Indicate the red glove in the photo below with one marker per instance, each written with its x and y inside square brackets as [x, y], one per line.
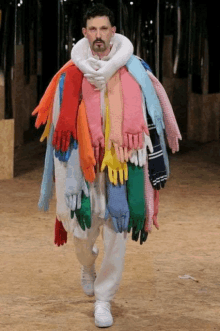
[46, 103]
[66, 124]
[60, 237]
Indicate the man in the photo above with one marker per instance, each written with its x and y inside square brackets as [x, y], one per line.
[97, 142]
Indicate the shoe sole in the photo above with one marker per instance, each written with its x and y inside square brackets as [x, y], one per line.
[101, 325]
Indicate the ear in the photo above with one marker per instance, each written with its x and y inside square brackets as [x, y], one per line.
[113, 30]
[84, 31]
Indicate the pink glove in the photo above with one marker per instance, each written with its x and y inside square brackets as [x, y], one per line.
[93, 111]
[134, 124]
[116, 117]
[171, 126]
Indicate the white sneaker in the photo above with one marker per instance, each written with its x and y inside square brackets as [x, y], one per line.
[103, 316]
[88, 276]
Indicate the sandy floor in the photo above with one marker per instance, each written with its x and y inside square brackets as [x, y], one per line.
[40, 283]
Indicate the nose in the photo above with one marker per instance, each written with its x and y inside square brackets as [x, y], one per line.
[98, 33]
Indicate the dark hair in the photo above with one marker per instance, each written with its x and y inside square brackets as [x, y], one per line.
[98, 10]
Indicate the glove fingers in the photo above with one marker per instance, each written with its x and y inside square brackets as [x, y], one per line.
[78, 200]
[85, 189]
[72, 214]
[126, 173]
[115, 177]
[67, 200]
[135, 141]
[122, 156]
[81, 223]
[115, 225]
[130, 141]
[126, 154]
[73, 202]
[140, 140]
[121, 172]
[88, 222]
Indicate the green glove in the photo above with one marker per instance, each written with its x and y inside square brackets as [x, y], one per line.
[136, 201]
[143, 235]
[84, 213]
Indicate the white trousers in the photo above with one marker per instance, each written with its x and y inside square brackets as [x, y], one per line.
[110, 273]
[109, 276]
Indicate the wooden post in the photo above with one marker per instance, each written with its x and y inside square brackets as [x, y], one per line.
[6, 149]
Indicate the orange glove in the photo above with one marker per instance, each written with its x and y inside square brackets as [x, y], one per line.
[86, 153]
[46, 103]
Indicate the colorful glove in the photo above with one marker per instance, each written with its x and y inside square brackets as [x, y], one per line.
[156, 165]
[83, 214]
[136, 201]
[86, 153]
[117, 206]
[75, 182]
[139, 157]
[110, 160]
[47, 181]
[92, 103]
[99, 72]
[66, 125]
[64, 156]
[143, 235]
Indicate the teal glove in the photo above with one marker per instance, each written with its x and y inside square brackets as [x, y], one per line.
[136, 201]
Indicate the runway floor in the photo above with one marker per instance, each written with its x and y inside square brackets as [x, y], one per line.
[40, 283]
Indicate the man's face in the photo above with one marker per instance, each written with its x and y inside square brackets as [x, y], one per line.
[99, 32]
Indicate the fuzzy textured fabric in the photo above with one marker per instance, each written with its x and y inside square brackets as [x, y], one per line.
[149, 200]
[103, 69]
[133, 122]
[110, 160]
[116, 116]
[93, 104]
[171, 126]
[87, 158]
[117, 206]
[47, 184]
[60, 234]
[137, 70]
[156, 165]
[75, 182]
[66, 124]
[135, 192]
[46, 103]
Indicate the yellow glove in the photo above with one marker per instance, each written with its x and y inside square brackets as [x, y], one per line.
[110, 158]
[46, 131]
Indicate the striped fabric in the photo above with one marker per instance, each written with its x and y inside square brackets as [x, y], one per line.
[156, 165]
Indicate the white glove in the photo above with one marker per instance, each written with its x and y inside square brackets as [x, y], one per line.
[139, 157]
[121, 51]
[75, 182]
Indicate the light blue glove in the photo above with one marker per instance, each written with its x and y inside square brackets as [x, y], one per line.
[137, 70]
[47, 184]
[75, 182]
[117, 206]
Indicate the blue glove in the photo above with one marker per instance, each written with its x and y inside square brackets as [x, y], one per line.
[137, 70]
[117, 206]
[75, 182]
[47, 184]
[64, 156]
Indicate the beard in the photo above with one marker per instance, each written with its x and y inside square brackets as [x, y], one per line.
[99, 47]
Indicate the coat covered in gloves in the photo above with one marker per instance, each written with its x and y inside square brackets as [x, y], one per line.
[106, 147]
